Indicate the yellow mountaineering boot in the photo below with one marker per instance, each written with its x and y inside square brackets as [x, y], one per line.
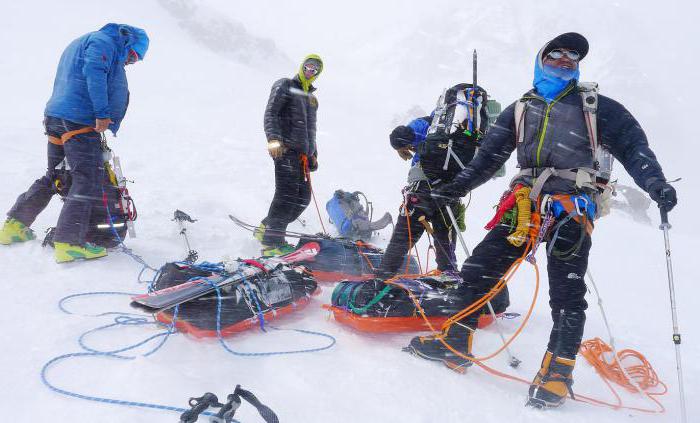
[552, 383]
[64, 252]
[259, 232]
[15, 231]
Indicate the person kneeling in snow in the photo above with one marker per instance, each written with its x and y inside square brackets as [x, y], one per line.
[290, 128]
[90, 95]
[563, 169]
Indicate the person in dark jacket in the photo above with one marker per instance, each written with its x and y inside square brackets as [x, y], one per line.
[290, 128]
[447, 136]
[560, 175]
[90, 95]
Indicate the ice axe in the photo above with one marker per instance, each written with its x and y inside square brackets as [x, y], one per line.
[513, 361]
[181, 217]
[665, 227]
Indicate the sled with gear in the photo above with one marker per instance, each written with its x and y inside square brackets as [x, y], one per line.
[351, 218]
[231, 297]
[114, 217]
[339, 258]
[393, 306]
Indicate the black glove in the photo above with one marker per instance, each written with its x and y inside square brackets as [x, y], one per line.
[664, 194]
[401, 137]
[313, 163]
[444, 195]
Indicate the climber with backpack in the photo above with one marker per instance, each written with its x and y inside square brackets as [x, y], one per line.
[90, 96]
[566, 135]
[439, 146]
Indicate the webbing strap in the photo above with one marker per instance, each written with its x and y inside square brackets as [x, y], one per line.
[583, 177]
[68, 135]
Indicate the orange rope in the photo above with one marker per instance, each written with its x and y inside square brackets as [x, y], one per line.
[410, 241]
[307, 173]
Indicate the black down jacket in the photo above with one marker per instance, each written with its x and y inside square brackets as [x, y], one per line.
[290, 116]
[558, 139]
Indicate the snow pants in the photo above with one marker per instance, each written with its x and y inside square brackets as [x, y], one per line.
[84, 156]
[292, 196]
[567, 289]
[410, 229]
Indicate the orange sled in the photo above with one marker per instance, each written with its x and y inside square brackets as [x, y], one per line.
[394, 324]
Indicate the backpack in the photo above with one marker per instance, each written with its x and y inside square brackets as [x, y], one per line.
[351, 218]
[461, 117]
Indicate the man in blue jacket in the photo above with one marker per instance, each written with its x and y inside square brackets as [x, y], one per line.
[90, 95]
[565, 135]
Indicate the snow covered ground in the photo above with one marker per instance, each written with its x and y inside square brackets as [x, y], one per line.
[193, 140]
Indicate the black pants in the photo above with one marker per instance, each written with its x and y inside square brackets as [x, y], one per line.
[292, 196]
[494, 255]
[84, 156]
[443, 234]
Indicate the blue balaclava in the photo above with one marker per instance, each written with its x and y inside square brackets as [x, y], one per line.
[550, 81]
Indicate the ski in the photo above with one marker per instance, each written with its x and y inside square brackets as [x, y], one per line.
[166, 298]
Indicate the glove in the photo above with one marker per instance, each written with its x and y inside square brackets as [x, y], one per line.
[405, 153]
[313, 163]
[664, 194]
[445, 195]
[276, 148]
[402, 137]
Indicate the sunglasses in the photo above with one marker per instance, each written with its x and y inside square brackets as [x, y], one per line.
[558, 54]
[132, 57]
[311, 68]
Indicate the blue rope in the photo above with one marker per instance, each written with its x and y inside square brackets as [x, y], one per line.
[271, 353]
[91, 352]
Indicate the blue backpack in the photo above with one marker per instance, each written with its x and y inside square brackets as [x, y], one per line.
[351, 218]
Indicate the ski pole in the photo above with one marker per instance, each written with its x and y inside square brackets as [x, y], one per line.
[665, 226]
[513, 360]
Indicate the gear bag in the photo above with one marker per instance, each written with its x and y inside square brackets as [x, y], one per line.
[341, 259]
[376, 306]
[351, 218]
[268, 295]
[461, 117]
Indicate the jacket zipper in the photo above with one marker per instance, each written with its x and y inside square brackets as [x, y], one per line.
[543, 130]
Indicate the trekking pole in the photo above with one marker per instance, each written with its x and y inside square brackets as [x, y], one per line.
[665, 226]
[180, 217]
[513, 360]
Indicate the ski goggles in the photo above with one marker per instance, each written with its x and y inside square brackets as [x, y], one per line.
[132, 57]
[559, 53]
[311, 68]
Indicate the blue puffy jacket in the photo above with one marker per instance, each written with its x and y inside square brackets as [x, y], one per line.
[420, 128]
[90, 81]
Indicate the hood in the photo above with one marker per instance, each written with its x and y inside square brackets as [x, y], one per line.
[550, 81]
[306, 83]
[127, 37]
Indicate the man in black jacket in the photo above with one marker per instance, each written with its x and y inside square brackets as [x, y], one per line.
[290, 128]
[562, 156]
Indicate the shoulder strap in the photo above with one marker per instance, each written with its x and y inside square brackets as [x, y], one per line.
[519, 118]
[589, 98]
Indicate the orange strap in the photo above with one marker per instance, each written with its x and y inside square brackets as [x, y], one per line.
[569, 206]
[68, 135]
